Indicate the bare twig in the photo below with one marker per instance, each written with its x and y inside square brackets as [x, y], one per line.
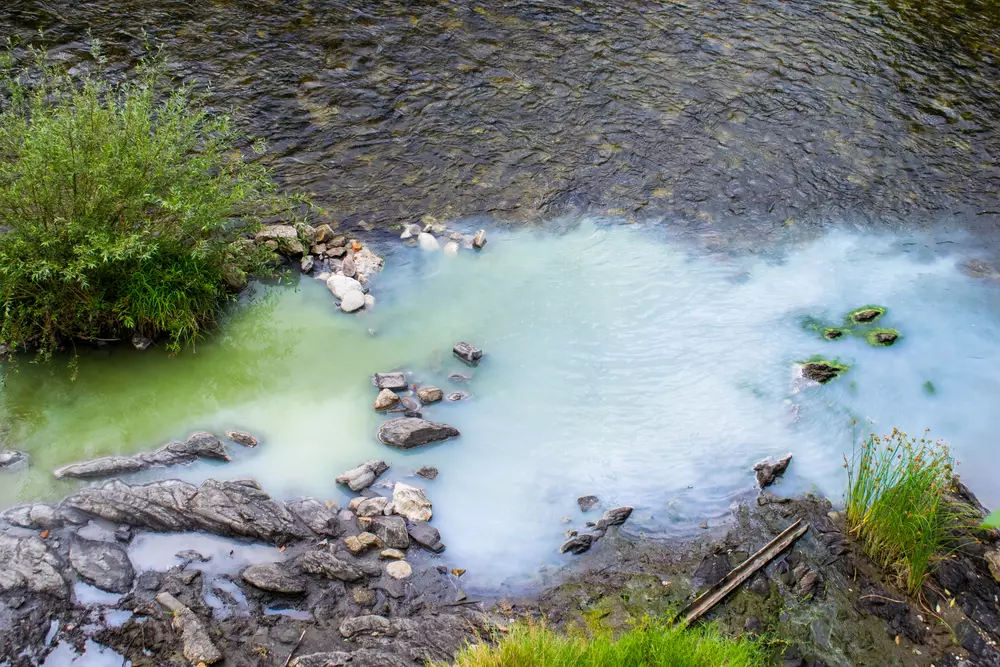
[294, 649]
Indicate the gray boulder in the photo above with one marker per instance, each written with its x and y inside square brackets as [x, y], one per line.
[224, 508]
[274, 577]
[587, 503]
[363, 476]
[427, 472]
[36, 516]
[393, 381]
[364, 624]
[340, 285]
[767, 471]
[479, 240]
[11, 459]
[321, 518]
[102, 564]
[390, 529]
[429, 394]
[428, 242]
[329, 659]
[426, 536]
[353, 301]
[577, 544]
[408, 432]
[323, 563]
[468, 353]
[411, 502]
[199, 445]
[29, 565]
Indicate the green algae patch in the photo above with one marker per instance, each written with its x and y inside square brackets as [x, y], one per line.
[929, 388]
[882, 337]
[822, 370]
[866, 315]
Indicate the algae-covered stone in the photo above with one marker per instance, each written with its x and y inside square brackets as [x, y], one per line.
[822, 370]
[833, 333]
[882, 337]
[866, 315]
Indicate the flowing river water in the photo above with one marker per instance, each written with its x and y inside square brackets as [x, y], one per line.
[699, 179]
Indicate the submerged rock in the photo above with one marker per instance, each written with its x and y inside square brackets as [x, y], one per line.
[198, 647]
[242, 438]
[411, 404]
[224, 508]
[11, 459]
[102, 564]
[468, 353]
[822, 371]
[451, 248]
[458, 396]
[429, 394]
[409, 432]
[410, 231]
[395, 381]
[768, 471]
[386, 400]
[427, 242]
[141, 342]
[410, 502]
[28, 565]
[199, 445]
[364, 475]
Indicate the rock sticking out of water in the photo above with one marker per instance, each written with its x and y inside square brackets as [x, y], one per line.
[427, 472]
[587, 503]
[340, 285]
[198, 647]
[613, 517]
[411, 502]
[11, 459]
[426, 536]
[822, 371]
[577, 544]
[429, 394]
[393, 381]
[199, 445]
[427, 242]
[882, 337]
[386, 400]
[833, 334]
[409, 432]
[364, 475]
[242, 438]
[102, 564]
[390, 529]
[353, 301]
[29, 565]
[141, 342]
[866, 314]
[468, 353]
[768, 471]
[479, 240]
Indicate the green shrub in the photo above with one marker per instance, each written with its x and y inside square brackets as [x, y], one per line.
[899, 507]
[649, 644]
[126, 209]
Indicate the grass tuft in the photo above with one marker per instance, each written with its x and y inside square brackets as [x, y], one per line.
[899, 507]
[650, 643]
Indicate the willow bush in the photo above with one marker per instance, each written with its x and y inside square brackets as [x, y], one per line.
[124, 208]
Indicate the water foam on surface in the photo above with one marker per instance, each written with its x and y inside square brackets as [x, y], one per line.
[619, 364]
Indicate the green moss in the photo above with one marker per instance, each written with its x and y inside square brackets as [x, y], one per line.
[882, 337]
[869, 314]
[822, 370]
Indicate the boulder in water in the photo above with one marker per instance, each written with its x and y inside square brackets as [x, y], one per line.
[833, 333]
[29, 565]
[386, 400]
[577, 544]
[353, 301]
[340, 285]
[242, 438]
[468, 353]
[426, 536]
[587, 503]
[768, 471]
[409, 432]
[11, 459]
[882, 337]
[427, 472]
[429, 394]
[199, 445]
[866, 315]
[428, 242]
[102, 564]
[822, 370]
[395, 381]
[613, 517]
[364, 475]
[479, 240]
[390, 529]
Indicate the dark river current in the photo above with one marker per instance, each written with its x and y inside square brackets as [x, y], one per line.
[758, 117]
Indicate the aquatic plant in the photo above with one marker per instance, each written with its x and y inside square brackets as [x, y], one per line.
[898, 504]
[124, 207]
[648, 643]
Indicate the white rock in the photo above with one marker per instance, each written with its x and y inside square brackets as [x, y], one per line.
[352, 301]
[428, 242]
[369, 301]
[451, 248]
[366, 262]
[393, 554]
[399, 569]
[385, 400]
[410, 231]
[410, 502]
[341, 285]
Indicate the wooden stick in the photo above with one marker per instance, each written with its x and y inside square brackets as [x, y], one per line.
[742, 572]
[294, 649]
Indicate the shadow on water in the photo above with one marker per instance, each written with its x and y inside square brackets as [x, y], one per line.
[740, 117]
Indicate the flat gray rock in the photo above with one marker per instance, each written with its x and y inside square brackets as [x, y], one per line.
[325, 564]
[274, 577]
[468, 353]
[102, 564]
[29, 565]
[364, 624]
[613, 517]
[200, 445]
[330, 659]
[321, 518]
[394, 381]
[409, 432]
[426, 536]
[364, 475]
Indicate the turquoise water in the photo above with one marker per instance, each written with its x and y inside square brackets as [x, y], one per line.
[620, 363]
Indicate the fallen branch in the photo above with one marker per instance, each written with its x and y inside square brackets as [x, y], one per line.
[294, 649]
[714, 595]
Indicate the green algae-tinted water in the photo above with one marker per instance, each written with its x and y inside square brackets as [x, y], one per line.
[619, 363]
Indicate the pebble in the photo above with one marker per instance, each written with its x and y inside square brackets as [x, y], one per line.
[399, 569]
[392, 553]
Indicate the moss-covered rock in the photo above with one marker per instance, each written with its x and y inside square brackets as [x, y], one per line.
[882, 337]
[833, 333]
[866, 315]
[822, 370]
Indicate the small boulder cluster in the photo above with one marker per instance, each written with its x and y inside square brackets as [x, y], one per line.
[580, 542]
[860, 322]
[428, 233]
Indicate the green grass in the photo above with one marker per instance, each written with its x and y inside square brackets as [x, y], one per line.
[126, 207]
[651, 644]
[897, 505]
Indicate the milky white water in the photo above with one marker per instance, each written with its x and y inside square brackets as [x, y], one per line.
[619, 363]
